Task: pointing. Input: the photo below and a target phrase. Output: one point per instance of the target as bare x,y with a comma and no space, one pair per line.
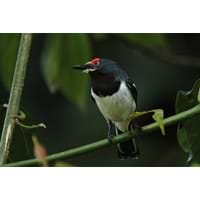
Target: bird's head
97,64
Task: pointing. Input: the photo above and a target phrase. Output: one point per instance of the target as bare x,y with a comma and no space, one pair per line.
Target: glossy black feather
132,88
104,84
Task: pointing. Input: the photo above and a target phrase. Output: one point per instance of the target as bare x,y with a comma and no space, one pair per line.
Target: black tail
128,150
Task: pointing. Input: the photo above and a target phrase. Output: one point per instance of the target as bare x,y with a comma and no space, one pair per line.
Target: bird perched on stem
115,95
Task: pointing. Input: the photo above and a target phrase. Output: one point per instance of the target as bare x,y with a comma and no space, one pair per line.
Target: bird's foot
111,131
133,127
110,136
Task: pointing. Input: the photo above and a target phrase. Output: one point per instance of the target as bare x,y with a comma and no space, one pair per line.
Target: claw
110,136
111,133
133,127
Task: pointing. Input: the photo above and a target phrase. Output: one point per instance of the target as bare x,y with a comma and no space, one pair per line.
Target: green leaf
188,133
8,54
195,164
63,164
198,97
62,51
146,39
158,116
51,61
183,140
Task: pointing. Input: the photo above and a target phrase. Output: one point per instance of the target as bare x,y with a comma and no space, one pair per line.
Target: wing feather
132,87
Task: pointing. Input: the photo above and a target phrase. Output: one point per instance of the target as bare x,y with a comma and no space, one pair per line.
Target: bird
115,95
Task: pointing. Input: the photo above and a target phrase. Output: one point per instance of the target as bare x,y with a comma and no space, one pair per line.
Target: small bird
116,97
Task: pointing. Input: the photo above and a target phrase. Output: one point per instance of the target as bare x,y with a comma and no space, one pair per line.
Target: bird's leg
111,132
133,127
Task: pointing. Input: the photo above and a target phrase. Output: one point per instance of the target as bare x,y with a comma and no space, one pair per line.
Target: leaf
183,139
51,61
158,116
63,164
8,54
40,151
195,164
188,133
74,84
146,39
138,114
62,51
198,97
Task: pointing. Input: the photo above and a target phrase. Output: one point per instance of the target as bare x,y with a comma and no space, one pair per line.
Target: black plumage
116,97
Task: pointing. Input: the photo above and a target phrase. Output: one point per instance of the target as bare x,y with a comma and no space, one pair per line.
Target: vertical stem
15,95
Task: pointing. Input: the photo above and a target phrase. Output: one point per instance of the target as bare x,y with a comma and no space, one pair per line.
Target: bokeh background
159,64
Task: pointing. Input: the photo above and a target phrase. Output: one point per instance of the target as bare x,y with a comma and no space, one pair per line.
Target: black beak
80,67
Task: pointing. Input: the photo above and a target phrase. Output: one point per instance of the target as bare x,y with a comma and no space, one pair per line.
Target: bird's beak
80,67
86,68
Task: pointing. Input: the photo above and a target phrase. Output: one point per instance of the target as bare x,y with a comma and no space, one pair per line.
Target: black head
105,75
101,66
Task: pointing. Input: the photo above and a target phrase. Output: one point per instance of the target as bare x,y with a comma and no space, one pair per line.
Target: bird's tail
128,149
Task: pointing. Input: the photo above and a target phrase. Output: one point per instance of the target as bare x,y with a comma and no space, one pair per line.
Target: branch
15,96
117,139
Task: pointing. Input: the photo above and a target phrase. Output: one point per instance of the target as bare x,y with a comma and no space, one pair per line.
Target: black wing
131,86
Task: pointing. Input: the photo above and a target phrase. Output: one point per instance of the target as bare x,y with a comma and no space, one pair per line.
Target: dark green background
156,62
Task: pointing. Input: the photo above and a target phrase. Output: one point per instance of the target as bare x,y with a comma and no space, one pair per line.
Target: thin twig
117,139
15,95
32,126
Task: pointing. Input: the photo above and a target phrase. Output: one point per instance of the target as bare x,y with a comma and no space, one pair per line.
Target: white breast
117,107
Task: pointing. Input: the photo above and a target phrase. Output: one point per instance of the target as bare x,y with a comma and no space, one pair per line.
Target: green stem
40,125
117,139
15,95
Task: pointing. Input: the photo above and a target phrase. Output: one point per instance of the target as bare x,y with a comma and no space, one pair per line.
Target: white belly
117,107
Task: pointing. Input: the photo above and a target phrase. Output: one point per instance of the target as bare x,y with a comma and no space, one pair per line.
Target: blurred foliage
195,164
150,39
63,164
8,53
40,151
188,130
61,52
99,36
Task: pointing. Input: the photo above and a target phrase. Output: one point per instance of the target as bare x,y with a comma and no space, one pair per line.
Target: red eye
95,61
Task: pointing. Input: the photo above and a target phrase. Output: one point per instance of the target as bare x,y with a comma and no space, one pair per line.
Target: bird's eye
96,63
